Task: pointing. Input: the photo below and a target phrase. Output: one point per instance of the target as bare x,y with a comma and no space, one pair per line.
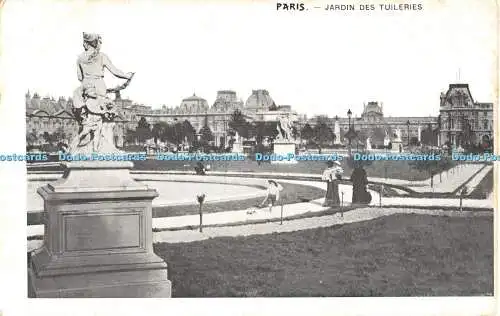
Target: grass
387,191
484,188
396,170
398,255
292,193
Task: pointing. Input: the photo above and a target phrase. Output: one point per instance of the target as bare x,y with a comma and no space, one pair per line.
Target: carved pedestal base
98,236
397,147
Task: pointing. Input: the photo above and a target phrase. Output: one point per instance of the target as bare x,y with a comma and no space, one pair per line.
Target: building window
485,124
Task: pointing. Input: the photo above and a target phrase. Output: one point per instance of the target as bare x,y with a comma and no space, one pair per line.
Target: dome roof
194,97
259,99
373,107
193,104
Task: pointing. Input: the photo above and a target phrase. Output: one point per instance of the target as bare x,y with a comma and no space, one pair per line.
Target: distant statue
398,134
92,107
284,128
368,144
236,137
387,139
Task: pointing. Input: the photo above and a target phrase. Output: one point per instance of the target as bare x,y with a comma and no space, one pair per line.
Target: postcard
263,151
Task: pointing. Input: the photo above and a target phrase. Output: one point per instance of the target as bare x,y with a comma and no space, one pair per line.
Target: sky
317,61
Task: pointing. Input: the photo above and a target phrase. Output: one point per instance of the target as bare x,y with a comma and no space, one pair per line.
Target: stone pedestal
396,145
336,131
98,237
237,148
283,149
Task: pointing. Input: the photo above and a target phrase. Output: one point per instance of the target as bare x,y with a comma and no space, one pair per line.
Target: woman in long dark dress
359,183
332,189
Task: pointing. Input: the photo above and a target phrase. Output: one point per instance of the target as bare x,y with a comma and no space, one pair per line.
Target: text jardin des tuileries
394,7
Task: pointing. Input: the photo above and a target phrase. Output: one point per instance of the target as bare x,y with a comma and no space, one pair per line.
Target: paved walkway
290,210
451,179
357,215
474,182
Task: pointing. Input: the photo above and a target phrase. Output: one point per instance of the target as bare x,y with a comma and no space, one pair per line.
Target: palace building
461,120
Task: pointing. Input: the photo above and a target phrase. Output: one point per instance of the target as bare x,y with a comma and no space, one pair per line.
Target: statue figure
92,107
398,134
368,144
387,139
284,128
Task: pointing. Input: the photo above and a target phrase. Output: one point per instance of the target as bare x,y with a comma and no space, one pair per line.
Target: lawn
393,169
292,193
484,188
398,255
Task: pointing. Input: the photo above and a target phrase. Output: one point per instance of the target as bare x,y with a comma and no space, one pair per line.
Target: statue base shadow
98,237
282,148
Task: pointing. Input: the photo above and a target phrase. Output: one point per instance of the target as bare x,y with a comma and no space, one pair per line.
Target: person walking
359,180
330,176
273,194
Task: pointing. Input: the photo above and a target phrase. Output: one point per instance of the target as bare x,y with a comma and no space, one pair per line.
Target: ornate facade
457,111
462,119
47,116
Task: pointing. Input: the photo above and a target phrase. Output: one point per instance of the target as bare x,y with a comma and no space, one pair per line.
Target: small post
462,194
201,198
342,205
380,195
281,221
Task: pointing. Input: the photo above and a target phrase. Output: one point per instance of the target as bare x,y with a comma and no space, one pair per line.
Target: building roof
372,107
259,99
194,97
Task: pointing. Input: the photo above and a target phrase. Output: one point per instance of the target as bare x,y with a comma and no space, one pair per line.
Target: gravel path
357,215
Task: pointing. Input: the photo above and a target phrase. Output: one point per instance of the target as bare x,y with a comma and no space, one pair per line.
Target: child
273,194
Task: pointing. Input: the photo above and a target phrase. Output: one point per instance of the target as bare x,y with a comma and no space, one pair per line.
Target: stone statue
398,134
284,128
368,144
387,139
92,107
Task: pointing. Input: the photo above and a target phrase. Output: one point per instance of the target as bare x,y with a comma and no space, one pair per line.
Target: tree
322,133
430,166
31,139
143,131
239,124
265,129
378,136
130,136
206,135
188,132
160,131
414,141
307,132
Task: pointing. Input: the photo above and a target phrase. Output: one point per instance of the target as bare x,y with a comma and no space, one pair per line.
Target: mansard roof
455,91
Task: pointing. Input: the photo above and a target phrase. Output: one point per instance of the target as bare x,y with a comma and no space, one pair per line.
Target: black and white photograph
253,149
